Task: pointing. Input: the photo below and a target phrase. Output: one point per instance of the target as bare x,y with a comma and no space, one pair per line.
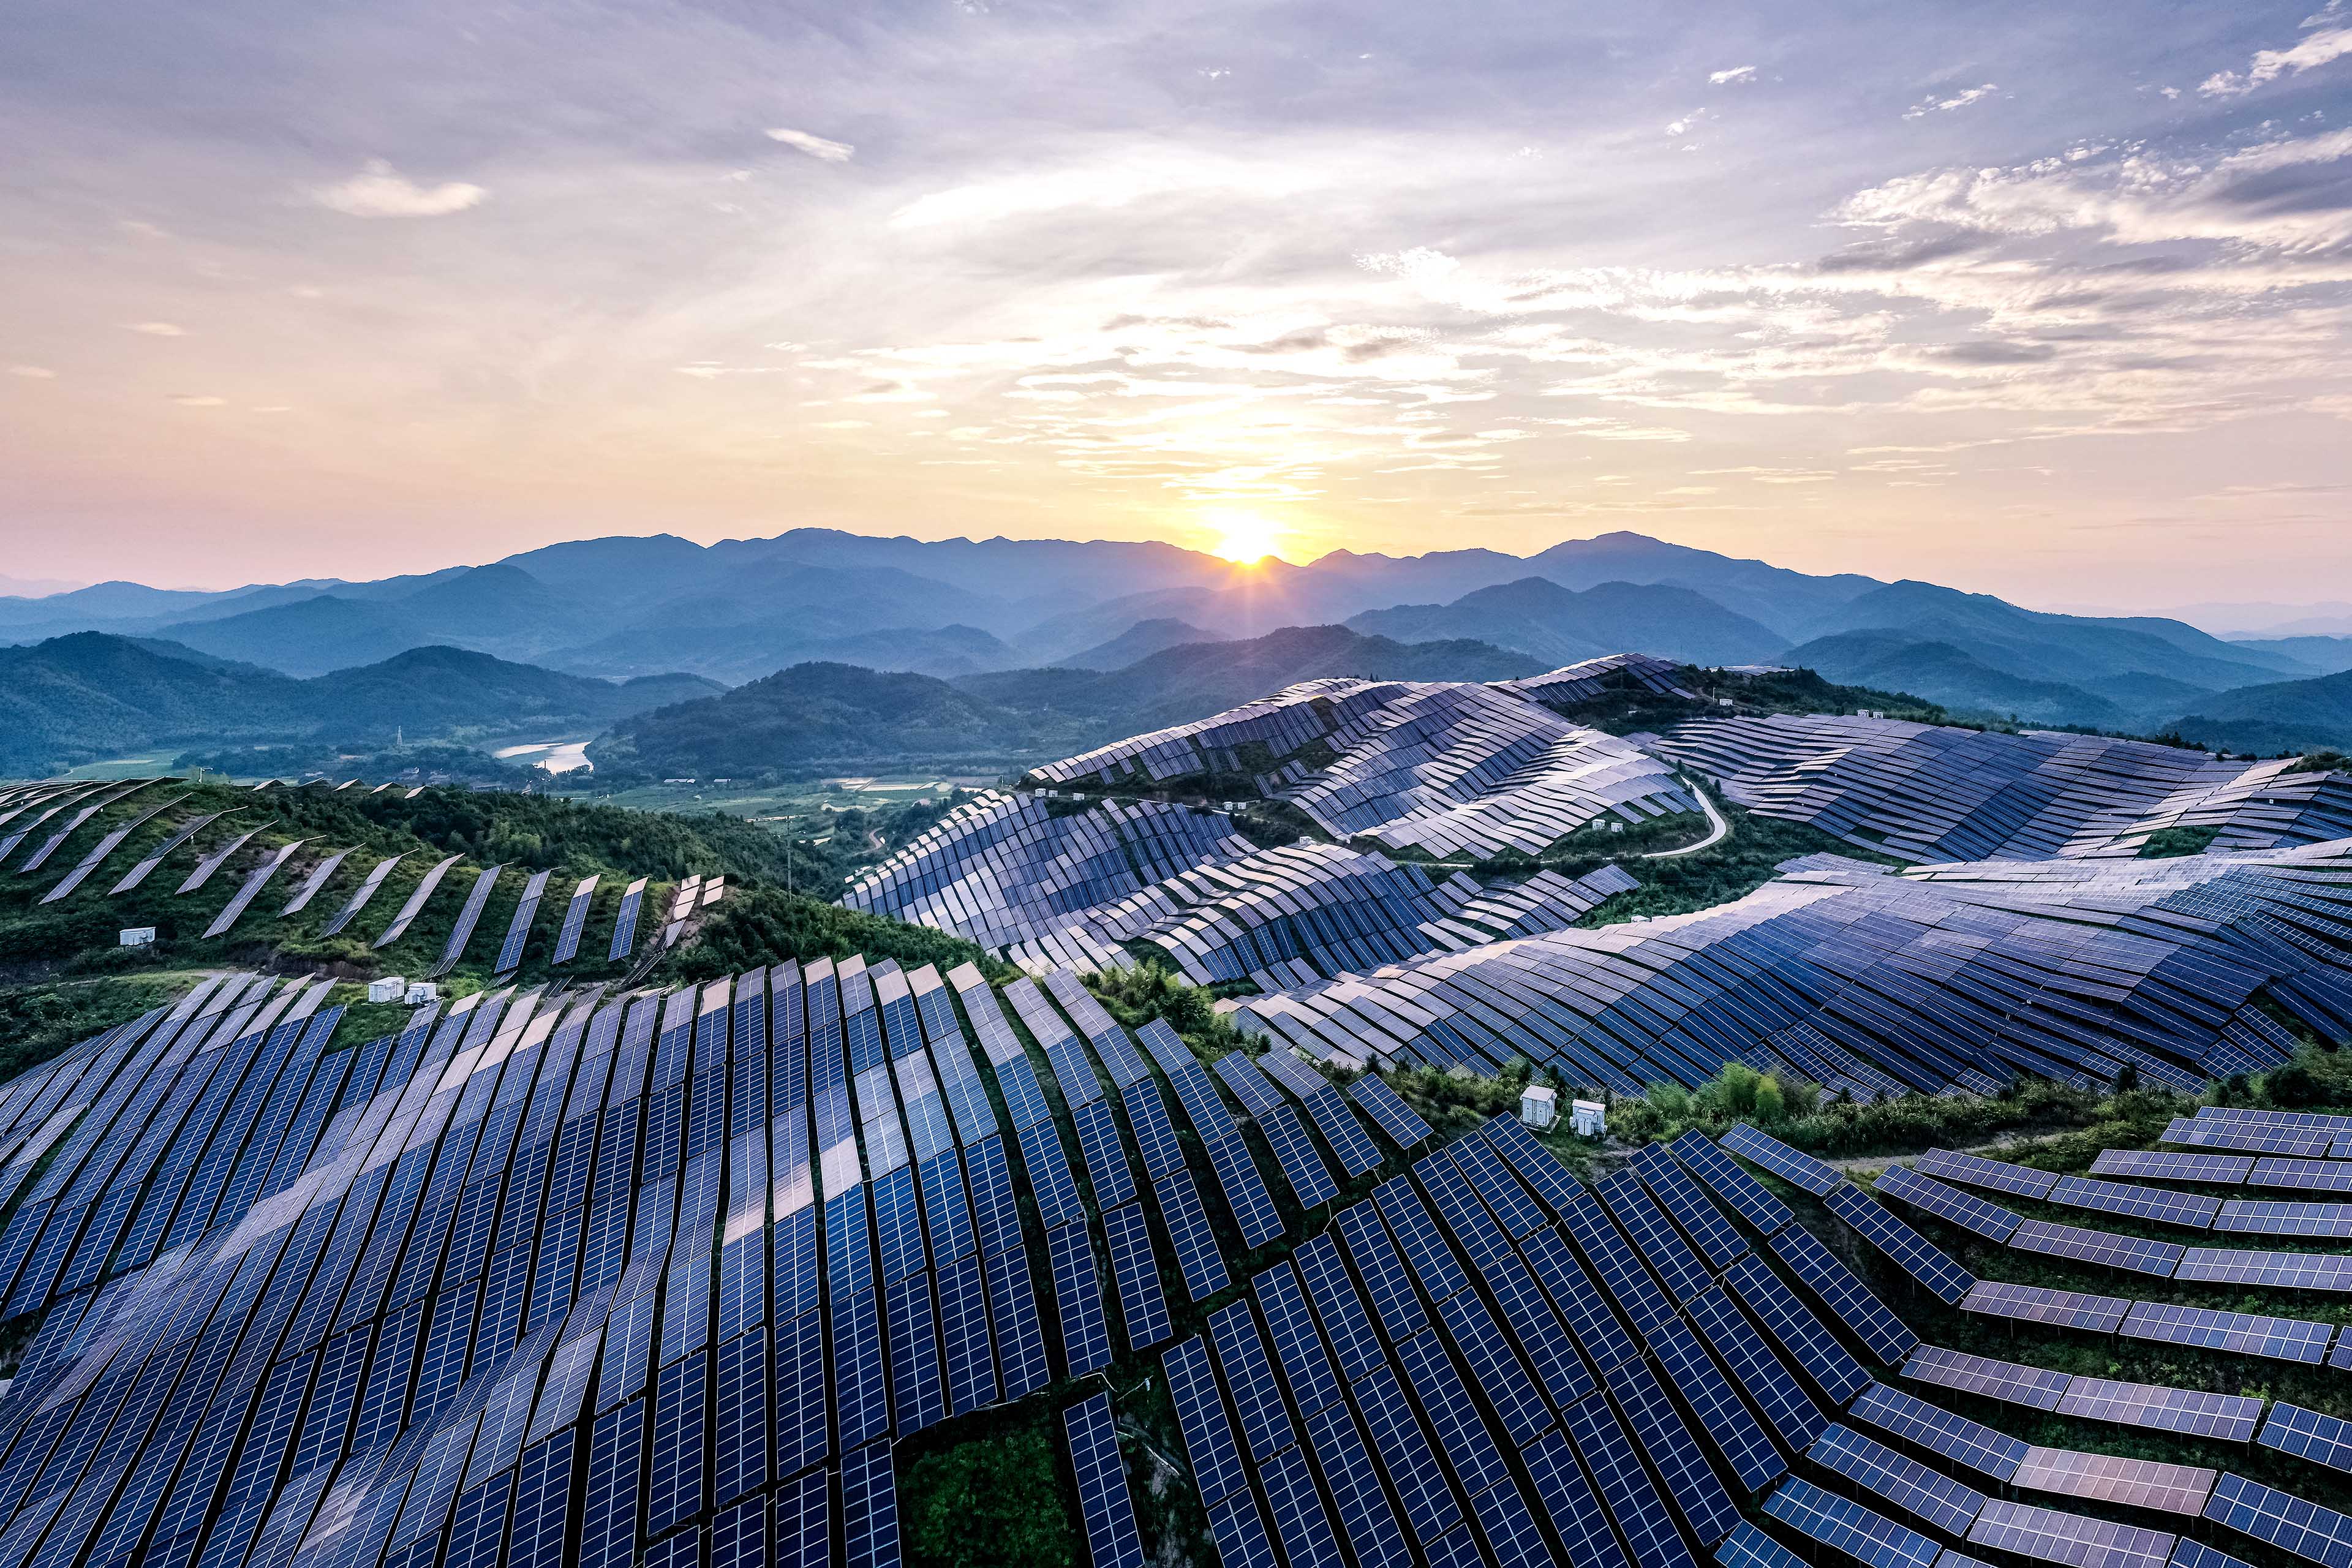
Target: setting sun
1243,536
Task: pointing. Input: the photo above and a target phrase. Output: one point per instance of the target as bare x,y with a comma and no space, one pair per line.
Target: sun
1245,537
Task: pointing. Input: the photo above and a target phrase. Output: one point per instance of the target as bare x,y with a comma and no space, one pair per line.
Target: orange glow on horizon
1243,537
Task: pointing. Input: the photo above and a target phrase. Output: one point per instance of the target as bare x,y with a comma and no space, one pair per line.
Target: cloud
382,190
1960,99
33,372
2324,46
200,400
843,425
814,146
155,328
1738,74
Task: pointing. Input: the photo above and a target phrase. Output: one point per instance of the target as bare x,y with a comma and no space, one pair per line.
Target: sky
2046,299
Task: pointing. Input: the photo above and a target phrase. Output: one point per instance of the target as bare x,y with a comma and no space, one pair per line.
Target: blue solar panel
1989,1220
994,1209
1458,1206
1249,1378
743,1408
1536,1165
2196,1554
1749,1547
1155,1135
1389,1111
1077,1296
1495,1367
1337,1306
2323,1439
1299,1522
1684,1275
1142,1309
2137,1254
1599,1334
1102,1498
1575,1512
947,1213
963,1329
1758,1368
1797,1170
1800,1334
1244,1190
1502,1191
1462,1433
1748,1197
802,1422
899,1224
1020,1337
1625,1487
679,1440
1298,1350
1661,1433
1217,1471
1365,1518
917,1397
1385,1279
1621,1271
1105,1154
869,1507
803,1530
1848,1527
1511,1529
1905,1248
1302,1163
1418,1239
1057,1191
1938,1430
2288,1522
1736,1436
1691,1209
1898,1479
1430,1508
1537,1329
1197,1258
858,1383
1238,1526
1839,1290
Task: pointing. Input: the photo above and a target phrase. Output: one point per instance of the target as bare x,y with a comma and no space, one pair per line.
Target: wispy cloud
1931,104
156,329
815,146
2324,44
382,190
1732,74
33,372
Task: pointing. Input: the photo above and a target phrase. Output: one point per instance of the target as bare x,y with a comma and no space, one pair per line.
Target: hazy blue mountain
89,696
309,637
1138,641
2325,654
1948,675
2282,716
1786,601
1560,625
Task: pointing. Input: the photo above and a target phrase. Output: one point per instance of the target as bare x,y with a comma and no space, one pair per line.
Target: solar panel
1254,1211
1938,1430
2136,1254
1494,1366
2306,1175
1302,1163
2039,1304
1238,1526
1104,1155
1364,1515
2323,1439
1568,1501
1249,1378
2005,1380
2280,1339
1430,1510
1020,1337
1305,1370
1798,1170
1155,1135
963,1327
1197,1258
1103,1500
1536,1165
1758,1369
1510,1527
1749,1547
1602,1339
1389,1111
1078,1297
1621,1271
1338,1307
1965,1209
1842,1290
1418,1238
1624,1486
1515,1210
2055,1537
2164,1165
1684,1275
1736,1434
869,1507
1721,1173
1461,1431
1905,1248
2113,1478
1299,1522
1846,1526
2196,1554
2228,1417
1976,1171
2146,1203
2256,1217
2291,1271
1385,1279
2288,1522
1680,1197
1216,1463
1799,1333
1897,1479
1142,1309
1665,1439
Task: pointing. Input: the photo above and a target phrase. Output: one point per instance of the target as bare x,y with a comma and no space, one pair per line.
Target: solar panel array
1937,793
1961,976
589,1279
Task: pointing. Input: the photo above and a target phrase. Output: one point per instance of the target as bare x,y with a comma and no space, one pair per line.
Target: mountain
1945,674
817,716
309,637
2325,654
2282,716
1138,641
1784,600
1559,625
89,696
